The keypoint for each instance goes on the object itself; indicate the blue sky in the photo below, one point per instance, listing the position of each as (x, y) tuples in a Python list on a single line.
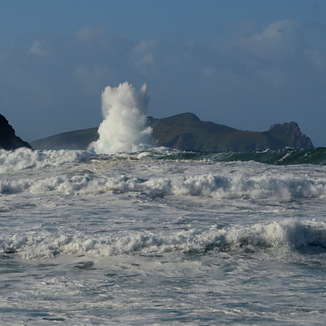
[(244, 63)]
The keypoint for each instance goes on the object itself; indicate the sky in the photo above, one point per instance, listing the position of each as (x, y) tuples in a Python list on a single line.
[(247, 64)]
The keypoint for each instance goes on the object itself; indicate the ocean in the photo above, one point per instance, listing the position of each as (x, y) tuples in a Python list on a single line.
[(161, 237)]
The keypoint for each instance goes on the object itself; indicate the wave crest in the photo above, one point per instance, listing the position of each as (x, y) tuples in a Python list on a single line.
[(277, 236)]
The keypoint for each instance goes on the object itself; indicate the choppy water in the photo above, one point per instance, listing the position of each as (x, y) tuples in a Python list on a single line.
[(161, 238)]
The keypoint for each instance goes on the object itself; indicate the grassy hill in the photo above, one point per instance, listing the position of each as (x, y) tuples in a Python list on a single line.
[(187, 132)]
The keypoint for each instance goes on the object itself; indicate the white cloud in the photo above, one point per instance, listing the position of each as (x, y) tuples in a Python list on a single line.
[(278, 41), (142, 56), (39, 49), (317, 58)]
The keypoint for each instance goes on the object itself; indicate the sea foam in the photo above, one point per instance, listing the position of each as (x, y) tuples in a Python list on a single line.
[(82, 173), (24, 158), (289, 235)]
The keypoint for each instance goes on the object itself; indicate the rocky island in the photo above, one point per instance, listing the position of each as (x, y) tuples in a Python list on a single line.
[(8, 138), (187, 132)]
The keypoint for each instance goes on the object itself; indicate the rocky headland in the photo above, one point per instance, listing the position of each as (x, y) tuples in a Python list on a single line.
[(8, 138)]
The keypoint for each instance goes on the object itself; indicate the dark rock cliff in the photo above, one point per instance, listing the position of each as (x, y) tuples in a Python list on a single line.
[(288, 134), (8, 138)]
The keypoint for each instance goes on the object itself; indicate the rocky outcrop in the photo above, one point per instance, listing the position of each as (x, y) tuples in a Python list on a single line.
[(187, 132), (288, 134), (8, 138)]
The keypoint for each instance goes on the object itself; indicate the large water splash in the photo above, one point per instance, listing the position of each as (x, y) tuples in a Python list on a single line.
[(124, 121)]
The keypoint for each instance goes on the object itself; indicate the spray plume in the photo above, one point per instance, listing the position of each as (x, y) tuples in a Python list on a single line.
[(124, 121)]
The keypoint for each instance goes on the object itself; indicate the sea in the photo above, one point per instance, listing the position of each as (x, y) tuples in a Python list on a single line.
[(162, 237)]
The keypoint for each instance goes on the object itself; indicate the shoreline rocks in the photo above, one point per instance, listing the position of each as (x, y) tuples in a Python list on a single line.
[(8, 139)]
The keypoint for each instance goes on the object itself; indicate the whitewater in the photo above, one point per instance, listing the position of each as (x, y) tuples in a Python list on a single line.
[(151, 238), (129, 234)]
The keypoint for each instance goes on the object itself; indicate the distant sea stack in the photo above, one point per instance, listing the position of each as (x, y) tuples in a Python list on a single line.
[(187, 132), (8, 138)]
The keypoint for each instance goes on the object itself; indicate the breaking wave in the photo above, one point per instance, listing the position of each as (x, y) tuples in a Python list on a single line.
[(287, 156), (277, 236), (78, 172), (285, 187), (23, 158)]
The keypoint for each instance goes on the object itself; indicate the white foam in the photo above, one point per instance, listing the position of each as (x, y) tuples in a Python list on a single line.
[(124, 126), (131, 228), (24, 158), (286, 235), (78, 173)]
